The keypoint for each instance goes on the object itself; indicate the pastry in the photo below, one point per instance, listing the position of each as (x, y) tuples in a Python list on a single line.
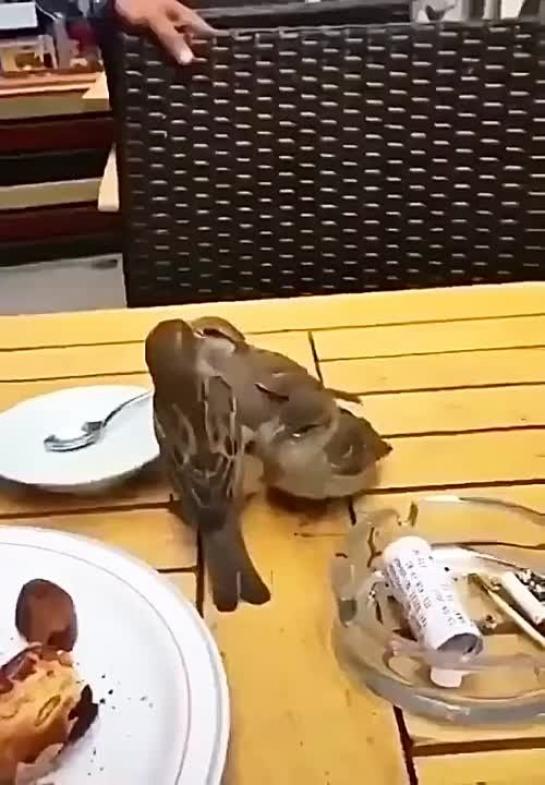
[(43, 707)]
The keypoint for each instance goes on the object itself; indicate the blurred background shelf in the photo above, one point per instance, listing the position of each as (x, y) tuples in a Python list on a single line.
[(57, 250)]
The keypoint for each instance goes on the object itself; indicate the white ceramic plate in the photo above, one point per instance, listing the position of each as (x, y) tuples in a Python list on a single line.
[(143, 649), (127, 445)]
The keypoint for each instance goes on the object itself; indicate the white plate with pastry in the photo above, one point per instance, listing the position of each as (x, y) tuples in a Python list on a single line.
[(152, 667)]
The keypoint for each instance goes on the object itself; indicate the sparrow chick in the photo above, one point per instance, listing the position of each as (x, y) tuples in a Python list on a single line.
[(200, 440), (312, 453), (261, 380), (309, 446)]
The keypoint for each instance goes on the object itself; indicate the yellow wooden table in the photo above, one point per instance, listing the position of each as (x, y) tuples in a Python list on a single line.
[(455, 373)]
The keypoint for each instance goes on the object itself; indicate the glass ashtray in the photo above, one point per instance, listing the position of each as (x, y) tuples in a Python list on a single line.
[(470, 537)]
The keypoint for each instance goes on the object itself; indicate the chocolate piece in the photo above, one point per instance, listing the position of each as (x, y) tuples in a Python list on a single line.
[(85, 713), (45, 614)]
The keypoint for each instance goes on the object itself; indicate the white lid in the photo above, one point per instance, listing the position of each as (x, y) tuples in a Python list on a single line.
[(446, 678)]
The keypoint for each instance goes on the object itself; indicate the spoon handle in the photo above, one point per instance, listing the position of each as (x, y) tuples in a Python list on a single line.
[(124, 404)]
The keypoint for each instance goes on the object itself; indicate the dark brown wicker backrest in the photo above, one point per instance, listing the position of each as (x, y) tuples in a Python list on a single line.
[(316, 160)]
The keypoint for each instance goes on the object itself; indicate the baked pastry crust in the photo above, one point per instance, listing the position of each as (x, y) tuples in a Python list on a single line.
[(43, 707)]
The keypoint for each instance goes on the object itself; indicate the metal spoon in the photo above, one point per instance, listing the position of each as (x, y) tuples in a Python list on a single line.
[(91, 431)]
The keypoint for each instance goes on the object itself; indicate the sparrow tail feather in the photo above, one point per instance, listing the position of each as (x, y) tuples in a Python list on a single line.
[(232, 575)]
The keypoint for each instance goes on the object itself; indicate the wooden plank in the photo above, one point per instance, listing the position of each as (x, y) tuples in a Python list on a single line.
[(454, 410), (145, 489), (455, 460), (155, 536), (108, 194), (70, 362), (532, 496), (127, 358), (96, 97), (286, 314), (396, 340), (466, 460), (21, 197), (186, 583), (435, 738), (467, 369), (47, 83), (511, 767), (44, 102), (10, 394), (58, 367), (295, 717)]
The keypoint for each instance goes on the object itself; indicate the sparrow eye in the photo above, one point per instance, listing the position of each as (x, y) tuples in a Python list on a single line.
[(303, 430)]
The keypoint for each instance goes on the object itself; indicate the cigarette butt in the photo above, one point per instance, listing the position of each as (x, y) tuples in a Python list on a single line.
[(504, 606), (523, 597)]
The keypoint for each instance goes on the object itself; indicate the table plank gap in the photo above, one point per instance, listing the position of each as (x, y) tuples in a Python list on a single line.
[(518, 742), (424, 339), (529, 344), (14, 392), (332, 335), (317, 369), (462, 371), (510, 767), (304, 313), (466, 460), (491, 460), (292, 662), (185, 582), (414, 413), (118, 359), (155, 536)]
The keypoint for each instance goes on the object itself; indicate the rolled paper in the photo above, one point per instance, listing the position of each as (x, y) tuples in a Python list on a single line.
[(430, 603)]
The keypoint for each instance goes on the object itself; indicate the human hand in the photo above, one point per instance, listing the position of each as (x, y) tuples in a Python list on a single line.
[(173, 23)]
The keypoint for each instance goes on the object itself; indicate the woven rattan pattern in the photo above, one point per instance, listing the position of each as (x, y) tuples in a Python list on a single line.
[(334, 160)]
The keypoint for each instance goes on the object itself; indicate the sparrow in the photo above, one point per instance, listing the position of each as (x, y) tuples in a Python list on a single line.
[(312, 453), (309, 446), (261, 380), (200, 438)]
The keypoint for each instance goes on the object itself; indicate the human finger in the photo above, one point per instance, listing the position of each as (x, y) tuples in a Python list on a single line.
[(173, 40)]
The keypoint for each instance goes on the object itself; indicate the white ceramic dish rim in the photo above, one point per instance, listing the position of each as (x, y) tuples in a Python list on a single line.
[(28, 535), (100, 478)]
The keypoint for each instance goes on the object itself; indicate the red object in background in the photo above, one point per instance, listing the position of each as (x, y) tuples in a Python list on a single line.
[(72, 133), (81, 31), (44, 223)]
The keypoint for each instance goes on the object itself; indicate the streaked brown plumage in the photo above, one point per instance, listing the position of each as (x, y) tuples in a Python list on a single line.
[(200, 438), (319, 459), (308, 445)]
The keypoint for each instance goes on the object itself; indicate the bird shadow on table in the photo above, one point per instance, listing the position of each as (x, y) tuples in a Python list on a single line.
[(312, 512)]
